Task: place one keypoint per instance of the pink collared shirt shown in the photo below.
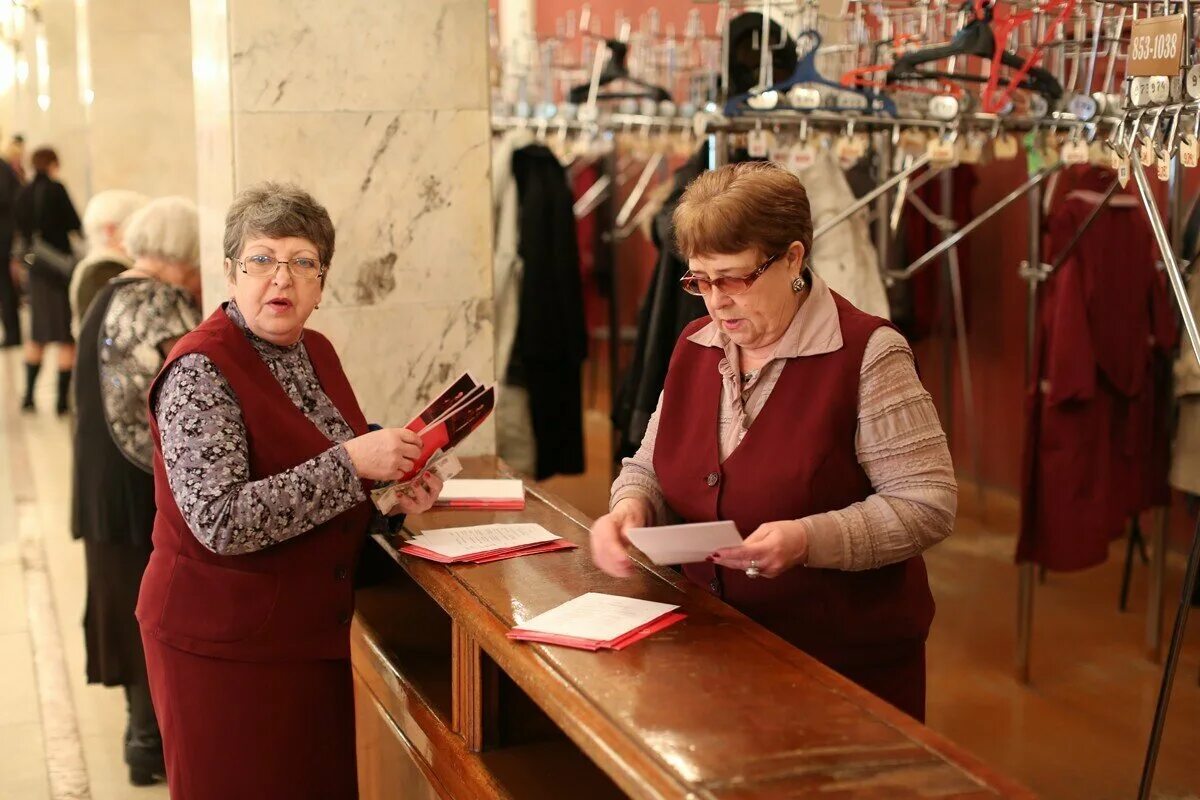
(900, 443)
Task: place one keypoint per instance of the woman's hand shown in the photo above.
(774, 548)
(608, 535)
(387, 454)
(419, 497)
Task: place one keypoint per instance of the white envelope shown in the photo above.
(684, 544)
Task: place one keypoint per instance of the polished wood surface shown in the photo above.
(715, 707)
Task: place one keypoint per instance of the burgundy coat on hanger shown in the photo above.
(1096, 437)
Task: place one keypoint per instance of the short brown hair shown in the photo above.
(278, 210)
(43, 159)
(755, 204)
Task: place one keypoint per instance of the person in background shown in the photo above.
(10, 186)
(801, 419)
(263, 468)
(45, 209)
(104, 222)
(124, 340)
(14, 154)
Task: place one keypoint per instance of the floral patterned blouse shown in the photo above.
(207, 458)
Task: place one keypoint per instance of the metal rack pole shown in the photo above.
(947, 316)
(607, 214)
(1026, 581)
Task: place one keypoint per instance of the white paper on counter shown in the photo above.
(684, 544)
(596, 616)
(475, 489)
(461, 542)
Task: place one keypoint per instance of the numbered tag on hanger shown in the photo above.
(1139, 92)
(1163, 168)
(1147, 154)
(941, 151)
(1115, 159)
(943, 107)
(1083, 106)
(1123, 173)
(970, 149)
(1005, 147)
(1160, 90)
(847, 151)
(1189, 151)
(1038, 107)
(852, 101)
(1075, 152)
(802, 156)
(1192, 84)
(758, 143)
(913, 141)
(804, 98)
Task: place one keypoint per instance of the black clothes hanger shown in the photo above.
(975, 39)
(615, 70)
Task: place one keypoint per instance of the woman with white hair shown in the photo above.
(124, 339)
(104, 222)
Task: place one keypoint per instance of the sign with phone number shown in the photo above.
(1156, 46)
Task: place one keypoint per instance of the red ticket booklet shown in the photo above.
(597, 621)
(482, 544)
(456, 413)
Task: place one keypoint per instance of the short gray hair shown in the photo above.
(113, 207)
(167, 228)
(277, 210)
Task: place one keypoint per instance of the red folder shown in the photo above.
(620, 643)
(488, 556)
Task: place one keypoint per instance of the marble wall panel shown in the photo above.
(359, 55)
(408, 193)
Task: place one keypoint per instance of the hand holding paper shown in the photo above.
(684, 544)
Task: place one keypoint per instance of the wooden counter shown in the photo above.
(714, 707)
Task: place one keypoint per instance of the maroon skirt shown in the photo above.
(234, 729)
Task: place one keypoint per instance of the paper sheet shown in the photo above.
(597, 616)
(684, 544)
(461, 542)
(473, 489)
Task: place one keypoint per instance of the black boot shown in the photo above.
(31, 376)
(143, 742)
(64, 387)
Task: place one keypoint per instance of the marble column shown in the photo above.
(380, 110)
(141, 125)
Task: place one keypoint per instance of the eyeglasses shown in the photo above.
(261, 266)
(698, 284)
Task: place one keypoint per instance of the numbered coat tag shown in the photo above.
(801, 157)
(1163, 168)
(1083, 106)
(913, 141)
(1160, 90)
(940, 151)
(970, 150)
(1139, 92)
(1005, 147)
(1075, 152)
(1123, 173)
(846, 151)
(758, 143)
(1148, 156)
(1116, 159)
(1189, 151)
(804, 98)
(1192, 84)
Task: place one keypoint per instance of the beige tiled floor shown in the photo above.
(34, 493)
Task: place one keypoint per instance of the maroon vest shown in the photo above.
(797, 459)
(292, 601)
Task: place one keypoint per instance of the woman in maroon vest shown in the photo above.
(263, 465)
(801, 419)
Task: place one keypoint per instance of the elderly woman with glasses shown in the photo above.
(263, 464)
(802, 420)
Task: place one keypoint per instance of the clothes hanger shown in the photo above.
(977, 38)
(807, 74)
(615, 70)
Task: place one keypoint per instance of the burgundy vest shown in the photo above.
(797, 459)
(292, 601)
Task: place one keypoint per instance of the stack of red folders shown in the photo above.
(482, 495)
(483, 544)
(597, 621)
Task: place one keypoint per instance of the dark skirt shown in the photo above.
(114, 641)
(49, 310)
(235, 729)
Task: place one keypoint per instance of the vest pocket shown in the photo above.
(217, 604)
